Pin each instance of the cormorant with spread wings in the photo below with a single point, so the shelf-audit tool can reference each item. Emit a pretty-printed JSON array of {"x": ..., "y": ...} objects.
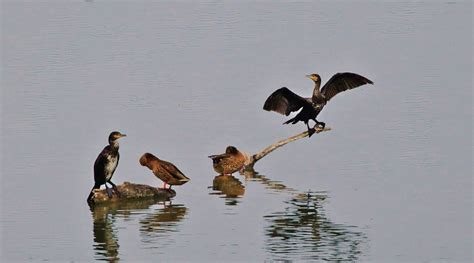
[{"x": 284, "y": 101}]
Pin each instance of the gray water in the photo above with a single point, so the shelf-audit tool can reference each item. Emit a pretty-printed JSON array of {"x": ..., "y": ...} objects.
[{"x": 392, "y": 180}]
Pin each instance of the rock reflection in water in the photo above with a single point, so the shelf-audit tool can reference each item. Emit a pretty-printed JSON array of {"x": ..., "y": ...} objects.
[
  {"x": 157, "y": 229},
  {"x": 303, "y": 232},
  {"x": 105, "y": 230},
  {"x": 230, "y": 187},
  {"x": 162, "y": 220}
]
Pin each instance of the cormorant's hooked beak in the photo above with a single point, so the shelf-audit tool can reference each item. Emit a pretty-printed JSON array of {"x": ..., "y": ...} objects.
[
  {"x": 312, "y": 77},
  {"x": 123, "y": 135}
]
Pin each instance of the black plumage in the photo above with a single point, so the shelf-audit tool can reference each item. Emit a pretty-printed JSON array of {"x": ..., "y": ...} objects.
[
  {"x": 105, "y": 165},
  {"x": 284, "y": 101}
]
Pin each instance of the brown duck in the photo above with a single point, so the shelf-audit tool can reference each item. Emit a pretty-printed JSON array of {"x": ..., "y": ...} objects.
[
  {"x": 229, "y": 162},
  {"x": 166, "y": 171}
]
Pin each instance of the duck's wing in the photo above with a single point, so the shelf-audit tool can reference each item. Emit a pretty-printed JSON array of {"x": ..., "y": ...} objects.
[
  {"x": 173, "y": 170},
  {"x": 341, "y": 82},
  {"x": 284, "y": 101},
  {"x": 218, "y": 157}
]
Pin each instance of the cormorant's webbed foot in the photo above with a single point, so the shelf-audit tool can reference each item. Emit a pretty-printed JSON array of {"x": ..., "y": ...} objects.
[
  {"x": 115, "y": 189},
  {"x": 109, "y": 191},
  {"x": 321, "y": 125},
  {"x": 310, "y": 130}
]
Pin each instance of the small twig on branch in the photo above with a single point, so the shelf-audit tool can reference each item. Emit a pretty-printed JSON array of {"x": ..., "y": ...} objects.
[{"x": 254, "y": 158}]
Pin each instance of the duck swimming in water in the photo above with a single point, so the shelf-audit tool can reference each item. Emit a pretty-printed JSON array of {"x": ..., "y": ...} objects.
[
  {"x": 165, "y": 171},
  {"x": 284, "y": 101},
  {"x": 229, "y": 162},
  {"x": 105, "y": 165}
]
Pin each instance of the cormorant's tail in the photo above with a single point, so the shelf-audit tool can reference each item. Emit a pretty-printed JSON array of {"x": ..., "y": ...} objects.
[
  {"x": 91, "y": 194},
  {"x": 292, "y": 121}
]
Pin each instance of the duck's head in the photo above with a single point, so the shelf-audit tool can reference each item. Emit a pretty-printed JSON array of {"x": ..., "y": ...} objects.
[
  {"x": 231, "y": 150},
  {"x": 314, "y": 77},
  {"x": 115, "y": 135},
  {"x": 146, "y": 157}
]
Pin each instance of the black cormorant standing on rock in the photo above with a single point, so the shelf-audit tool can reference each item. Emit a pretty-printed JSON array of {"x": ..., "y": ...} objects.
[
  {"x": 105, "y": 165},
  {"x": 285, "y": 101}
]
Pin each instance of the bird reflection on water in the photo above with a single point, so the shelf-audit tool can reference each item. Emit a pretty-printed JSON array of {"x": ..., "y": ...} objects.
[
  {"x": 228, "y": 187},
  {"x": 106, "y": 245},
  {"x": 155, "y": 218},
  {"x": 231, "y": 188},
  {"x": 302, "y": 231}
]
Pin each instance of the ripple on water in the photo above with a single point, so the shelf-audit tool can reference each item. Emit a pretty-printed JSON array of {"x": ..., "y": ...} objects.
[{"x": 302, "y": 231}]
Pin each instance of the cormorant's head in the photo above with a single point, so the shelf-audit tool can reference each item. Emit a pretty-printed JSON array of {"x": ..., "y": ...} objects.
[
  {"x": 231, "y": 150},
  {"x": 314, "y": 77},
  {"x": 115, "y": 136}
]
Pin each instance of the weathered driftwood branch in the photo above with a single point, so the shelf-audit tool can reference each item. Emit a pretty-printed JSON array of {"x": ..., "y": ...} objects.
[
  {"x": 129, "y": 191},
  {"x": 254, "y": 158}
]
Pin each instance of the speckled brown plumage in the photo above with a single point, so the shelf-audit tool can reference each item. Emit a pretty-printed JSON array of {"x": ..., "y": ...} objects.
[
  {"x": 229, "y": 162},
  {"x": 166, "y": 171}
]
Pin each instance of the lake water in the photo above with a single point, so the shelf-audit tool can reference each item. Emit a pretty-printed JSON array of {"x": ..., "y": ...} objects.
[{"x": 392, "y": 180}]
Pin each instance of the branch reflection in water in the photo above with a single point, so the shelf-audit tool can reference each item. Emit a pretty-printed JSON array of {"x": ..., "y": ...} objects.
[
  {"x": 251, "y": 175},
  {"x": 231, "y": 188},
  {"x": 153, "y": 222},
  {"x": 303, "y": 232}
]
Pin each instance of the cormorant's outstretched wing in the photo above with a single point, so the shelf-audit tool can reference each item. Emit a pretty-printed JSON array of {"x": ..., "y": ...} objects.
[
  {"x": 341, "y": 82},
  {"x": 284, "y": 101}
]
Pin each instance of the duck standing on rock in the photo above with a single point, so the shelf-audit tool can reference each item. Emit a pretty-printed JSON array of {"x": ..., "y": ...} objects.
[
  {"x": 166, "y": 171},
  {"x": 105, "y": 165},
  {"x": 229, "y": 162}
]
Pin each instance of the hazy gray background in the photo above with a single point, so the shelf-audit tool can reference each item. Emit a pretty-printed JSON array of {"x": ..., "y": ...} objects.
[{"x": 184, "y": 80}]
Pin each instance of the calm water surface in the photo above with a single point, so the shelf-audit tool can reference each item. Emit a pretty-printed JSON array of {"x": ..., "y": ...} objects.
[{"x": 391, "y": 182}]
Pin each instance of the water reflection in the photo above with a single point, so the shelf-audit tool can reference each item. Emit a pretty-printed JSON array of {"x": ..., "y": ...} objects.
[
  {"x": 152, "y": 221},
  {"x": 251, "y": 175},
  {"x": 158, "y": 228},
  {"x": 162, "y": 220},
  {"x": 302, "y": 231},
  {"x": 229, "y": 187},
  {"x": 105, "y": 244}
]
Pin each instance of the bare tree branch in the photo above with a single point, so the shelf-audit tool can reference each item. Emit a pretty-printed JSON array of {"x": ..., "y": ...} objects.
[{"x": 254, "y": 158}]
